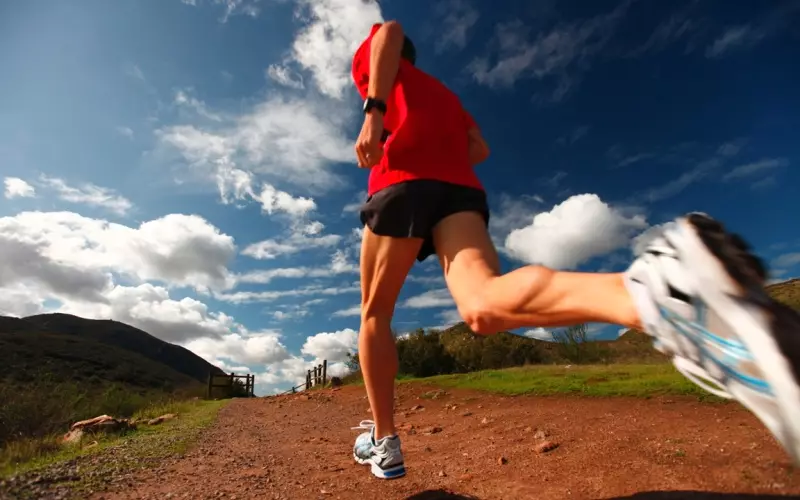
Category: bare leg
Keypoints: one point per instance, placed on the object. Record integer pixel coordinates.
(529, 296)
(385, 263)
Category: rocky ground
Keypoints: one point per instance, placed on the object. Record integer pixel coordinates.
(466, 445)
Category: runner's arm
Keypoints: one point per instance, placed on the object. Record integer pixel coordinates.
(478, 149)
(384, 61)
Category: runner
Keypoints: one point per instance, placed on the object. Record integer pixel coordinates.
(696, 289)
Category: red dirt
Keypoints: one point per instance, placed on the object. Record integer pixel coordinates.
(293, 447)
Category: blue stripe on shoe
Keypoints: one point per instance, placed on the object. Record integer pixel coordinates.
(733, 350)
(393, 472)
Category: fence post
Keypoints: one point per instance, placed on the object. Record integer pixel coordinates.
(210, 381)
(324, 372)
(308, 380)
(316, 376)
(252, 385)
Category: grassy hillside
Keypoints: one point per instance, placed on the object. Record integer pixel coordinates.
(59, 368)
(114, 333)
(787, 292)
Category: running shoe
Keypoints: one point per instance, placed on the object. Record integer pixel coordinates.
(700, 294)
(384, 456)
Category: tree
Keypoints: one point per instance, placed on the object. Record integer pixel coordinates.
(572, 343)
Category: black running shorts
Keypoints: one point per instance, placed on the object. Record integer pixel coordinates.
(412, 209)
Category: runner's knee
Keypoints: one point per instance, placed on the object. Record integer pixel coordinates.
(376, 318)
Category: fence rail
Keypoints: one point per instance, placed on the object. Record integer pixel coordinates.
(314, 377)
(230, 383)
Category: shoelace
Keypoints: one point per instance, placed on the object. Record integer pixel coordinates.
(364, 425)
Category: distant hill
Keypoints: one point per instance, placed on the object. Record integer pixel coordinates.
(787, 292)
(114, 333)
(62, 347)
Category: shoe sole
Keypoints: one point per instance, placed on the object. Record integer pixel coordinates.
(713, 271)
(391, 473)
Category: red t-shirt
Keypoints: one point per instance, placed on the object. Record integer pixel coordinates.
(428, 128)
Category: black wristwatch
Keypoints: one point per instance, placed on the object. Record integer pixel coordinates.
(370, 104)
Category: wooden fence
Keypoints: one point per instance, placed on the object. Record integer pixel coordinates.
(231, 385)
(314, 377)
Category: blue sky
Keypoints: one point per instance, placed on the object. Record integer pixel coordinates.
(187, 166)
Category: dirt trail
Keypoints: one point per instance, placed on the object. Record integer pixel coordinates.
(296, 447)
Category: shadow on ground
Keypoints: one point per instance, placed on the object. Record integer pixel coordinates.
(699, 495)
(647, 495)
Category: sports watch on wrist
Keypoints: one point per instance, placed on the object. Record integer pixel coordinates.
(371, 103)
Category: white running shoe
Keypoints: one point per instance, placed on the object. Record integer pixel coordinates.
(384, 456)
(700, 294)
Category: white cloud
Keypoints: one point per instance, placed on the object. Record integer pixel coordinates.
(126, 132)
(286, 139)
(244, 297)
(18, 188)
(457, 17)
(512, 213)
(284, 76)
(88, 194)
(254, 349)
(72, 254)
(697, 173)
(754, 168)
(580, 228)
(152, 309)
(331, 346)
(233, 7)
(563, 52)
(295, 311)
(338, 265)
(539, 334)
(325, 46)
(787, 260)
(350, 311)
(355, 206)
(734, 37)
(430, 299)
(183, 98)
(305, 237)
(449, 318)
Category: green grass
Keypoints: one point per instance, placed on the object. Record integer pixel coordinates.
(142, 446)
(584, 380)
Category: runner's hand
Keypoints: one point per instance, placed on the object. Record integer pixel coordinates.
(368, 145)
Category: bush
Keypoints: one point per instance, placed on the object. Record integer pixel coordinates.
(39, 409)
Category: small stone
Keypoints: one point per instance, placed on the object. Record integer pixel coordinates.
(545, 446)
(484, 421)
(466, 414)
(417, 408)
(433, 430)
(465, 477)
(540, 434)
(442, 473)
(528, 429)
(502, 461)
(428, 449)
